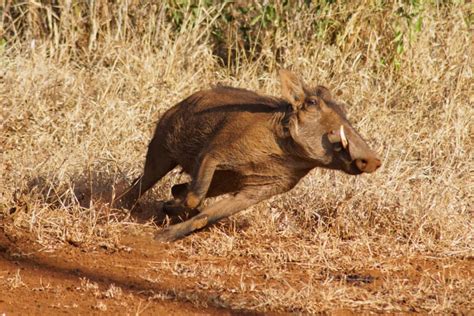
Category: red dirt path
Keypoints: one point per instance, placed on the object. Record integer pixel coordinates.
(63, 282)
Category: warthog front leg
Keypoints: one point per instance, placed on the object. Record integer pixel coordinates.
(189, 196)
(201, 182)
(212, 214)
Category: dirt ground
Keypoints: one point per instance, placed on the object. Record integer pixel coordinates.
(72, 280)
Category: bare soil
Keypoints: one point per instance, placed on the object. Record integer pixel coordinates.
(73, 280)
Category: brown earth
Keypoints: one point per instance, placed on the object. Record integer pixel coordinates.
(73, 280)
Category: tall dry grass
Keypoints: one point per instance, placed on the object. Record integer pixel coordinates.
(83, 84)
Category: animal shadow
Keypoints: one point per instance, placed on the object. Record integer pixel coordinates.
(92, 190)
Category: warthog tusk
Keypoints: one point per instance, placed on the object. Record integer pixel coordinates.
(344, 140)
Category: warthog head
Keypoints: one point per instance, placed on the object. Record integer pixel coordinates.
(321, 130)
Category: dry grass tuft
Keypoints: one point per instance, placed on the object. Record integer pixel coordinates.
(78, 106)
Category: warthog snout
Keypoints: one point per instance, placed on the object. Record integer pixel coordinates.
(368, 164)
(354, 151)
(364, 158)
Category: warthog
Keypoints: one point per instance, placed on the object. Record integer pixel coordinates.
(249, 146)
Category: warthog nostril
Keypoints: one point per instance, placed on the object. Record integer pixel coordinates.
(368, 165)
(361, 164)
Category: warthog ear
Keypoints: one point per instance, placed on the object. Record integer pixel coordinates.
(292, 89)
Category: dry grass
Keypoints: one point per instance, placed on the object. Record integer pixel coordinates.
(74, 123)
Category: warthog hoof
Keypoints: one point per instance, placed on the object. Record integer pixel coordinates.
(177, 209)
